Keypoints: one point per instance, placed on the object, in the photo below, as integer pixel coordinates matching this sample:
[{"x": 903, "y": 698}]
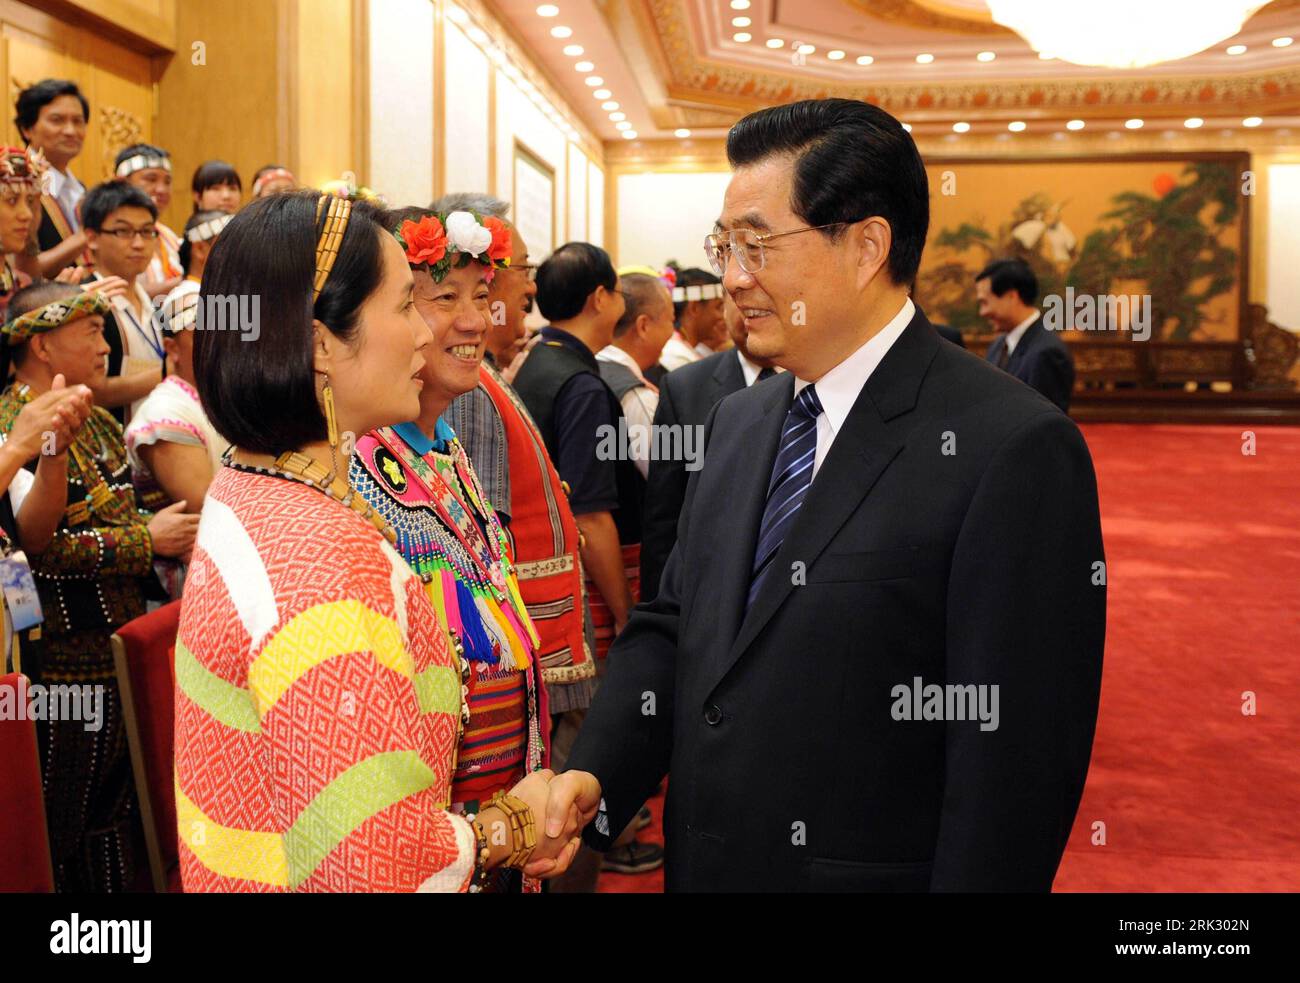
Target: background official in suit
[
  {"x": 1007, "y": 290},
  {"x": 949, "y": 536},
  {"x": 686, "y": 396}
]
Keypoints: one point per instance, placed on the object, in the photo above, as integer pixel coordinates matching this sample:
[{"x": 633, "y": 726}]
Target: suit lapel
[
  {"x": 864, "y": 448},
  {"x": 727, "y": 377},
  {"x": 747, "y": 466},
  {"x": 1027, "y": 341}
]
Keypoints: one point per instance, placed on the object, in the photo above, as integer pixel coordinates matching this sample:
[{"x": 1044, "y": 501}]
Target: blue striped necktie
[{"x": 791, "y": 476}]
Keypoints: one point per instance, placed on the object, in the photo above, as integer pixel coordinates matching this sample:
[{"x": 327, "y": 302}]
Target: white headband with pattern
[
  {"x": 142, "y": 162},
  {"x": 704, "y": 291},
  {"x": 209, "y": 229}
]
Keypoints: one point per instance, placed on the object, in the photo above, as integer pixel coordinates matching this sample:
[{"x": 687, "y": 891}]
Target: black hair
[
  {"x": 103, "y": 200},
  {"x": 24, "y": 301},
  {"x": 1010, "y": 274},
  {"x": 36, "y": 97},
  {"x": 642, "y": 292},
  {"x": 139, "y": 149},
  {"x": 193, "y": 222},
  {"x": 211, "y": 173},
  {"x": 692, "y": 276},
  {"x": 261, "y": 394},
  {"x": 569, "y": 276},
  {"x": 852, "y": 160}
]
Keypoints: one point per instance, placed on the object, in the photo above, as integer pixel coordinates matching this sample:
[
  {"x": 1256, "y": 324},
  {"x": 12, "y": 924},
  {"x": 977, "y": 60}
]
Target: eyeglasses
[
  {"x": 527, "y": 269},
  {"x": 747, "y": 245},
  {"x": 126, "y": 235}
]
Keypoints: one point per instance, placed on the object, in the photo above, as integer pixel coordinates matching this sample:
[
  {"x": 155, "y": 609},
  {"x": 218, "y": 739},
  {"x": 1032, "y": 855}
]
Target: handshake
[{"x": 562, "y": 806}]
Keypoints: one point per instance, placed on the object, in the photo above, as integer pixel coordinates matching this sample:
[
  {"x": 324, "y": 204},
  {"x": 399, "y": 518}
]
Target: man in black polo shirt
[{"x": 580, "y": 420}]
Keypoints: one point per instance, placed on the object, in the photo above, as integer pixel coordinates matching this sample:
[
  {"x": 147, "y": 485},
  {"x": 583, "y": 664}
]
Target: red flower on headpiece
[
  {"x": 425, "y": 241},
  {"x": 500, "y": 248}
]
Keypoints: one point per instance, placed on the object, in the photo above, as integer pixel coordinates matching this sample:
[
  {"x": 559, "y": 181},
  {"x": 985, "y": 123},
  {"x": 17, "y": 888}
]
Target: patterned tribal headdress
[
  {"x": 53, "y": 315},
  {"x": 331, "y": 238},
  {"x": 274, "y": 174},
  {"x": 210, "y": 229},
  {"x": 25, "y": 169}
]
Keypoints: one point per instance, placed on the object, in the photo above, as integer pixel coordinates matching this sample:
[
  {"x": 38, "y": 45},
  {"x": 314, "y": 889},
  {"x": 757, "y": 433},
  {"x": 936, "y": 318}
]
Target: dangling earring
[{"x": 332, "y": 427}]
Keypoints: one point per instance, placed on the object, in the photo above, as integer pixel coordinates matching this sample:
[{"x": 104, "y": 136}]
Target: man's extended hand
[{"x": 572, "y": 804}]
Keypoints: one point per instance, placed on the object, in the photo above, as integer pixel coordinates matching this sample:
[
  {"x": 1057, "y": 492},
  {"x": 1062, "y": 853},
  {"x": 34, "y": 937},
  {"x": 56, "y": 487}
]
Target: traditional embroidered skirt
[{"x": 602, "y": 618}]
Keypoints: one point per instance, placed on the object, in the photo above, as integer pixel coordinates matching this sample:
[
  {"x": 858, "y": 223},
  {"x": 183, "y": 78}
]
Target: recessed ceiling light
[
  {"x": 739, "y": 4},
  {"x": 457, "y": 14},
  {"x": 683, "y": 133},
  {"x": 629, "y": 134},
  {"x": 1133, "y": 124},
  {"x": 960, "y": 127},
  {"x": 594, "y": 80},
  {"x": 865, "y": 59},
  {"x": 741, "y": 37},
  {"x": 622, "y": 125},
  {"x": 617, "y": 117},
  {"x": 1075, "y": 124},
  {"x": 740, "y": 22},
  {"x": 1251, "y": 121},
  {"x": 1282, "y": 42},
  {"x": 835, "y": 55},
  {"x": 985, "y": 56},
  {"x": 1016, "y": 126},
  {"x": 775, "y": 43},
  {"x": 924, "y": 59},
  {"x": 1194, "y": 123},
  {"x": 548, "y": 10},
  {"x": 583, "y": 66},
  {"x": 1236, "y": 49},
  {"x": 806, "y": 49},
  {"x": 561, "y": 32},
  {"x": 573, "y": 50},
  {"x": 907, "y": 127},
  {"x": 601, "y": 93},
  {"x": 607, "y": 106}
]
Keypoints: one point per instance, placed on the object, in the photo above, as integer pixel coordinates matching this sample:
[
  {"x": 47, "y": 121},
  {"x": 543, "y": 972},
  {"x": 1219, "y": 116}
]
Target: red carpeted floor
[{"x": 1203, "y": 555}]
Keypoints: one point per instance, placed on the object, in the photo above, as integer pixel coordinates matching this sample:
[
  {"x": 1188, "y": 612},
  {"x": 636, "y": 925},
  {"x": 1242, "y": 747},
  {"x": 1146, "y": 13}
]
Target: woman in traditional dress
[
  {"x": 319, "y": 705},
  {"x": 173, "y": 448},
  {"x": 419, "y": 478},
  {"x": 20, "y": 202}
]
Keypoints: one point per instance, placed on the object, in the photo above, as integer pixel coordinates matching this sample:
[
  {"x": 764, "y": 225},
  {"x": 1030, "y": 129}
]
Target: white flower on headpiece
[{"x": 465, "y": 235}]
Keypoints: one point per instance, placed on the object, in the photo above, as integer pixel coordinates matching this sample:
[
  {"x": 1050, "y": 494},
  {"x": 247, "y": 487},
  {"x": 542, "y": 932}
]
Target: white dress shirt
[
  {"x": 839, "y": 388},
  {"x": 677, "y": 353},
  {"x": 749, "y": 370},
  {"x": 68, "y": 192},
  {"x": 639, "y": 405},
  {"x": 1018, "y": 332}
]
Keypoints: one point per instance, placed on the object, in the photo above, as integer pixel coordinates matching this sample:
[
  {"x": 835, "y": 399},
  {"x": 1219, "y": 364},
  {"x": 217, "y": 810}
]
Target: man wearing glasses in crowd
[
  {"x": 890, "y": 518},
  {"x": 120, "y": 224}
]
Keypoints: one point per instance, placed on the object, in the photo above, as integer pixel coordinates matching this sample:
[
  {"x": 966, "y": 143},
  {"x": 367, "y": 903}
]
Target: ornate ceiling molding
[{"x": 703, "y": 83}]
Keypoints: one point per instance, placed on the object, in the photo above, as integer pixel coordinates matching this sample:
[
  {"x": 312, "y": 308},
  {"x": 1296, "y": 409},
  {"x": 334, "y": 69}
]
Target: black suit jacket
[
  {"x": 950, "y": 534},
  {"x": 686, "y": 396},
  {"x": 1042, "y": 360}
]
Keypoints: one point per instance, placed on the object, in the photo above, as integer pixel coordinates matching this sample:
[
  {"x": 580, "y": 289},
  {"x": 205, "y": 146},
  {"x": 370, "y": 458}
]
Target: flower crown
[{"x": 444, "y": 242}]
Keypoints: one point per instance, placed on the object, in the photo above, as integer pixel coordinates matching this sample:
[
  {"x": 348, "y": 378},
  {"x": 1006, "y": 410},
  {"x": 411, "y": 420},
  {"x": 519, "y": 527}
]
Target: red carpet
[{"x": 1203, "y": 553}]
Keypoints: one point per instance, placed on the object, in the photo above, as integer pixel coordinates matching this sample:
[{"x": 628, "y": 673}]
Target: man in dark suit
[
  {"x": 1007, "y": 289},
  {"x": 882, "y": 538},
  {"x": 686, "y": 396}
]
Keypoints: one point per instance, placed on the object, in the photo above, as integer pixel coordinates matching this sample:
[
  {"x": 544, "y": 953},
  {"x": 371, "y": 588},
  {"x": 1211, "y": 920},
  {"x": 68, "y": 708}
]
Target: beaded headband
[
  {"x": 143, "y": 162},
  {"x": 181, "y": 308},
  {"x": 271, "y": 175},
  {"x": 53, "y": 315},
  {"x": 209, "y": 229},
  {"x": 331, "y": 237},
  {"x": 26, "y": 169},
  {"x": 703, "y": 291}
]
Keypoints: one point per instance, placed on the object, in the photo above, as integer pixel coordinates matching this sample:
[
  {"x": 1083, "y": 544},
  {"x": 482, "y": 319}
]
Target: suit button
[{"x": 713, "y": 715}]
